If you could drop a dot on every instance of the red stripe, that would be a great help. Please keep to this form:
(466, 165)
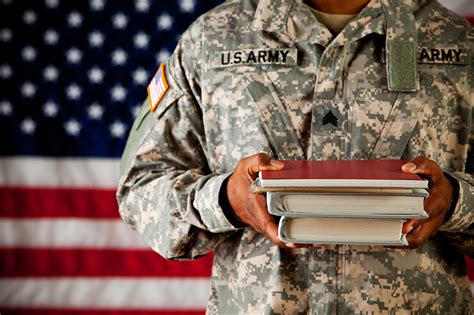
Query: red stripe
(16, 202)
(21, 262)
(43, 311)
(470, 19)
(470, 268)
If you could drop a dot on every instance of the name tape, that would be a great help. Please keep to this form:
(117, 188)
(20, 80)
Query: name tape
(452, 55)
(253, 57)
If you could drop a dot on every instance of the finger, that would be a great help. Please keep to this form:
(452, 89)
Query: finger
(271, 231)
(274, 165)
(410, 225)
(423, 166)
(262, 161)
(421, 234)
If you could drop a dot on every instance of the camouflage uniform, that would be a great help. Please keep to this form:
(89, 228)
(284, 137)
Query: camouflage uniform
(253, 76)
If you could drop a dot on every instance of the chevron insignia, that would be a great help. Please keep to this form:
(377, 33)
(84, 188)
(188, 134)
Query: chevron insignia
(329, 118)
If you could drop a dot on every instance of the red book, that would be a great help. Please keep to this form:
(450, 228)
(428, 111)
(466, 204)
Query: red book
(342, 173)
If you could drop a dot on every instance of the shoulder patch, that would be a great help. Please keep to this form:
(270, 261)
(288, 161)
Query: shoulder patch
(253, 57)
(157, 87)
(448, 55)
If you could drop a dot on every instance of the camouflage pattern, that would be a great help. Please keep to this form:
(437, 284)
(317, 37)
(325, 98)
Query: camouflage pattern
(211, 117)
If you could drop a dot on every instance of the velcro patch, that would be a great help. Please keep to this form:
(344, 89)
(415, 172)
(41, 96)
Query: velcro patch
(253, 57)
(157, 87)
(449, 55)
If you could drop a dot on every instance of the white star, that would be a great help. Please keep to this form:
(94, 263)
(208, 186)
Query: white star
(96, 39)
(6, 34)
(117, 129)
(28, 53)
(74, 91)
(51, 73)
(74, 55)
(28, 126)
(5, 71)
(120, 20)
(74, 19)
(96, 75)
(95, 111)
(97, 5)
(29, 17)
(142, 5)
(164, 21)
(140, 76)
(135, 110)
(50, 109)
(72, 127)
(28, 89)
(51, 37)
(118, 93)
(119, 56)
(163, 56)
(52, 3)
(186, 5)
(6, 108)
(141, 40)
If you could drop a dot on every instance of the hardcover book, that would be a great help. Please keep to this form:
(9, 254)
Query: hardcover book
(349, 205)
(342, 231)
(380, 174)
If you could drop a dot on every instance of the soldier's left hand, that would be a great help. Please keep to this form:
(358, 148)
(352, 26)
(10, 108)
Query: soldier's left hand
(436, 204)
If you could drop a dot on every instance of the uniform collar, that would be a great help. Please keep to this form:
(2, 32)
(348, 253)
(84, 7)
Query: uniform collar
(295, 19)
(393, 18)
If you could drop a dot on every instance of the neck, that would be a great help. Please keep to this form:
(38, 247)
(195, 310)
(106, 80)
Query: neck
(337, 6)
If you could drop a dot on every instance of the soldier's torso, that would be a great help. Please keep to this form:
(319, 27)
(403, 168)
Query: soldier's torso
(298, 95)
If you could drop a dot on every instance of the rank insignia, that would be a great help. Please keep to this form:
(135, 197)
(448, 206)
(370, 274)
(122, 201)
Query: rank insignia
(157, 87)
(330, 118)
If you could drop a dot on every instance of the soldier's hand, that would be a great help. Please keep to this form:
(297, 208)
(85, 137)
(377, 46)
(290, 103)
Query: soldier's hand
(436, 204)
(251, 208)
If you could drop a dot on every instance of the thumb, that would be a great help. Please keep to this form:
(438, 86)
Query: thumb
(262, 161)
(409, 168)
(273, 165)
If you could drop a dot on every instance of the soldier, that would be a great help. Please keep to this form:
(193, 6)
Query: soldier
(255, 76)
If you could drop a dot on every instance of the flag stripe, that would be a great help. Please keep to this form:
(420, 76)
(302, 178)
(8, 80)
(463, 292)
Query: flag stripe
(59, 172)
(19, 202)
(134, 293)
(78, 233)
(28, 262)
(88, 311)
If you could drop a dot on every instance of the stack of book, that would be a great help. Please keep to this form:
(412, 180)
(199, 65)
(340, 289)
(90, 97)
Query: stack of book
(343, 202)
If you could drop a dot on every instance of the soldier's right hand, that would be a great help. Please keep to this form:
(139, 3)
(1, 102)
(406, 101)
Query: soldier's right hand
(249, 207)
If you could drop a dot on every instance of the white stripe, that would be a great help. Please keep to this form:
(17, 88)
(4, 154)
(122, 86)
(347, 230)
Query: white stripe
(154, 96)
(54, 172)
(162, 85)
(159, 88)
(112, 233)
(461, 7)
(137, 293)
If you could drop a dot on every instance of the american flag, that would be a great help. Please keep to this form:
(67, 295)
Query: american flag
(73, 75)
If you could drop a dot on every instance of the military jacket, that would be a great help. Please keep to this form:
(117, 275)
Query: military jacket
(260, 75)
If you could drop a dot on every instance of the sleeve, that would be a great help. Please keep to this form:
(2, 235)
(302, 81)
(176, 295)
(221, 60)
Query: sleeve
(459, 228)
(167, 192)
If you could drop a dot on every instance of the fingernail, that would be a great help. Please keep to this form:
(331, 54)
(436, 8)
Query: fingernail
(276, 163)
(410, 166)
(291, 245)
(410, 229)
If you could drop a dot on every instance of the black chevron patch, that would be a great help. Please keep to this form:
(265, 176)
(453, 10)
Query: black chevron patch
(330, 118)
